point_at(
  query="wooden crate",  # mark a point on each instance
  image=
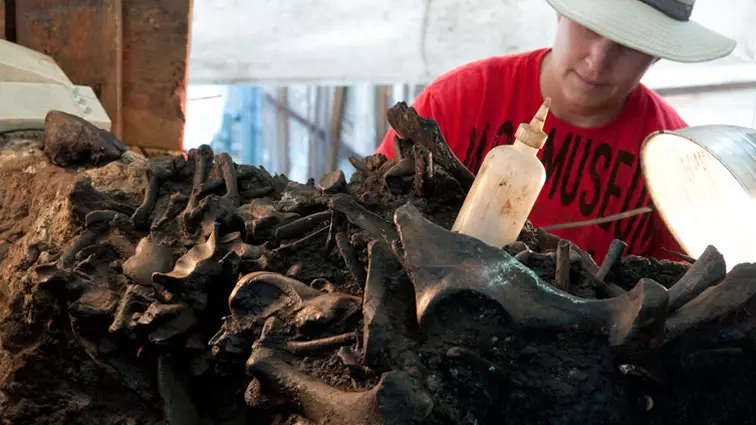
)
(133, 53)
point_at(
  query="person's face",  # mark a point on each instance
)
(591, 70)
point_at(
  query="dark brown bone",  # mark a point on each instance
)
(423, 170)
(85, 199)
(166, 321)
(387, 309)
(562, 272)
(608, 290)
(395, 400)
(735, 291)
(176, 203)
(150, 257)
(349, 254)
(203, 160)
(442, 263)
(409, 125)
(230, 177)
(613, 254)
(97, 224)
(399, 178)
(177, 404)
(259, 295)
(335, 226)
(361, 217)
(320, 344)
(302, 225)
(708, 270)
(195, 270)
(333, 182)
(140, 218)
(261, 218)
(135, 301)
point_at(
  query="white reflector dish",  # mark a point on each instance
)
(702, 181)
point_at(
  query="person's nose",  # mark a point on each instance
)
(601, 54)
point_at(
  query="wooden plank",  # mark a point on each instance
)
(156, 53)
(2, 20)
(381, 114)
(84, 38)
(333, 148)
(282, 131)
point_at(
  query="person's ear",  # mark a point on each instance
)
(559, 18)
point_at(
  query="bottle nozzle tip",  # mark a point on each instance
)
(540, 117)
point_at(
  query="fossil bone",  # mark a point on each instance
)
(442, 263)
(708, 270)
(395, 400)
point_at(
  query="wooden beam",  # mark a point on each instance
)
(282, 131)
(337, 118)
(84, 38)
(156, 53)
(381, 114)
(2, 20)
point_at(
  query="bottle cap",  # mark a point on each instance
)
(532, 134)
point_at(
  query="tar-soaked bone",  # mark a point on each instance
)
(230, 177)
(261, 218)
(283, 250)
(423, 170)
(320, 344)
(361, 217)
(395, 400)
(140, 218)
(260, 294)
(349, 254)
(178, 407)
(203, 160)
(85, 199)
(387, 309)
(195, 270)
(73, 140)
(613, 254)
(135, 301)
(563, 265)
(399, 177)
(334, 228)
(150, 257)
(97, 224)
(302, 225)
(176, 203)
(409, 125)
(442, 264)
(333, 182)
(233, 242)
(708, 270)
(735, 291)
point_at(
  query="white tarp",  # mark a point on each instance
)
(413, 41)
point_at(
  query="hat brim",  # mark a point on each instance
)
(639, 26)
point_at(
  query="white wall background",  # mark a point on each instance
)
(389, 41)
(366, 42)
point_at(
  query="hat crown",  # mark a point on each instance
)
(676, 9)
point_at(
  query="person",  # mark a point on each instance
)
(600, 113)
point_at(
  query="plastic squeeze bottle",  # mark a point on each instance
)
(506, 187)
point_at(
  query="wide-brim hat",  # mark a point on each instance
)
(660, 28)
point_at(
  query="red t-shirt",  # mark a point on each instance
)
(590, 172)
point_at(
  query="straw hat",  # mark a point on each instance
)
(661, 28)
